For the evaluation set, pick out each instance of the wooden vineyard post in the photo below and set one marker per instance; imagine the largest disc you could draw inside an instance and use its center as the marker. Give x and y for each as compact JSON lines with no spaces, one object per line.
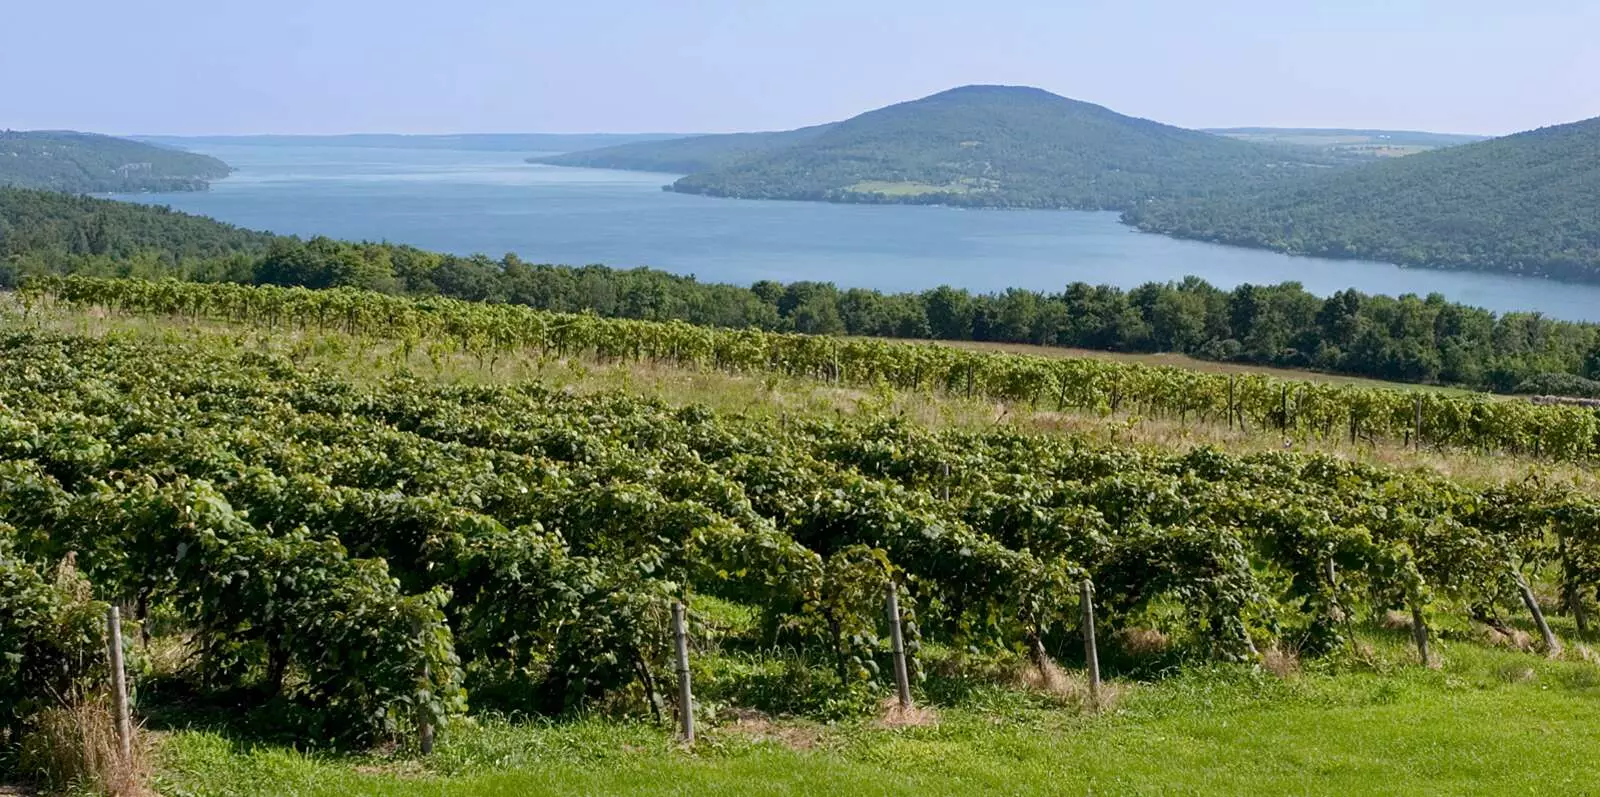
{"x":1091,"y":655}
{"x":1417,"y":438}
{"x":1231,"y":380}
{"x":1283,"y":408}
{"x":969,"y":381}
{"x":946,"y":467}
{"x":1419,"y":632}
{"x":680,"y":633}
{"x":425,"y":726}
{"x":902,"y":680}
{"x":119,"y":683}
{"x":1552,"y":646}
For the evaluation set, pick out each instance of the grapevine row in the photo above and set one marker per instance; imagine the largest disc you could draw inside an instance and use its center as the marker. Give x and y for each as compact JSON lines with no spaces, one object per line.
{"x":1296,"y":408}
{"x":389,"y":553}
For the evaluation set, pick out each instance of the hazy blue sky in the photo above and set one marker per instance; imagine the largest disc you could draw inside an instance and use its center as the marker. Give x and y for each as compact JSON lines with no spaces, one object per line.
{"x":326,"y":66}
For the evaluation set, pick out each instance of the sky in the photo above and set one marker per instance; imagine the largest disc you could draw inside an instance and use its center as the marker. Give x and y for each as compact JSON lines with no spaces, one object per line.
{"x":423,"y":66}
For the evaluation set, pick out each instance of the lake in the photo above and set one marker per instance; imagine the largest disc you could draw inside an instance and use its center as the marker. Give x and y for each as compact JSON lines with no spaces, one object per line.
{"x":491,"y":202}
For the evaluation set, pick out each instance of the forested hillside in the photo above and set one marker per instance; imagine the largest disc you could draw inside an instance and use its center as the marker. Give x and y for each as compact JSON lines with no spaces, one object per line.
{"x":47,"y":231}
{"x":1408,"y":338}
{"x":89,"y":163}
{"x":685,"y":155}
{"x":1000,"y":146}
{"x":1525,"y":204}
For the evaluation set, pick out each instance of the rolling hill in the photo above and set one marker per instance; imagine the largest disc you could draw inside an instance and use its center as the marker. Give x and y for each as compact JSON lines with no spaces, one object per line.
{"x":1524,"y":204}
{"x":987,"y":146}
{"x":685,"y":155}
{"x":58,"y":160}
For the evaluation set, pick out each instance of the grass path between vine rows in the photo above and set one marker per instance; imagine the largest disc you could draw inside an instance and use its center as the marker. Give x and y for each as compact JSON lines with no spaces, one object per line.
{"x":1489,"y":721}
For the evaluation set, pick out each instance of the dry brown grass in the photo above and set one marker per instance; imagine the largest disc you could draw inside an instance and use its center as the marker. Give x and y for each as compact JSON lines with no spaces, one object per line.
{"x":1396,"y":620}
{"x":1070,"y":687}
{"x":892,"y":715}
{"x":1281,"y":662}
{"x":74,"y":748}
{"x":1142,"y":643}
{"x":759,"y":727}
{"x":1516,"y":639}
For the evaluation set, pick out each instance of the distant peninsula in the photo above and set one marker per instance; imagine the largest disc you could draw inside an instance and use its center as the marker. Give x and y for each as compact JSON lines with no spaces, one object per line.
{"x":59,"y":160}
{"x":1525,"y":204}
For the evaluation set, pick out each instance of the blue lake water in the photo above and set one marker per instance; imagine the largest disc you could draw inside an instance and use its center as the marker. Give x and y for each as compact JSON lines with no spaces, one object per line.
{"x":492,"y":202}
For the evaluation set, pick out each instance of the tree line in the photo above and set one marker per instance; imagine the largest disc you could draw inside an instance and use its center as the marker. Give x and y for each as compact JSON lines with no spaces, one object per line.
{"x":1407,"y":338}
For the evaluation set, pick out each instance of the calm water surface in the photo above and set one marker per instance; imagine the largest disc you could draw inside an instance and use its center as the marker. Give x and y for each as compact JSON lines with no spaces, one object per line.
{"x":467,"y":202}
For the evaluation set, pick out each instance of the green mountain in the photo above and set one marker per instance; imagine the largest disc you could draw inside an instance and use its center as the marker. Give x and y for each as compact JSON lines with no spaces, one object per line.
{"x":685,"y":155}
{"x":1347,"y":143}
{"x":1523,"y":204}
{"x":985,"y":146}
{"x":88,"y":163}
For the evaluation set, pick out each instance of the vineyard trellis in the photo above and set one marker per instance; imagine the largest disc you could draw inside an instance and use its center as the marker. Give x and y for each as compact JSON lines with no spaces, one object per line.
{"x":380,"y":554}
{"x":1471,"y":422}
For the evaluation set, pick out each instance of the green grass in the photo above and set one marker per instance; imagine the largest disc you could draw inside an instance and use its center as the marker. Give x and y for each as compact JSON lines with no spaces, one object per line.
{"x":1489,"y":722}
{"x":905,"y":188}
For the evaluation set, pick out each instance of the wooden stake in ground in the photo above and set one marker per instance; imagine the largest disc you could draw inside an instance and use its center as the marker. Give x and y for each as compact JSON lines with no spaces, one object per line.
{"x":1231,"y":380}
{"x":680,"y":632}
{"x":425,"y":726}
{"x":1090,"y":654}
{"x":1552,"y":646}
{"x":1419,"y":633}
{"x":1417,"y":439}
{"x":119,"y":683}
{"x":902,"y":680}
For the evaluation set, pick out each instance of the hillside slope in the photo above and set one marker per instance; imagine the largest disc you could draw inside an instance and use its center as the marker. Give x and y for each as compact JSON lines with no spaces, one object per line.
{"x":1000,"y":146}
{"x":49,"y":225}
{"x":89,"y":163}
{"x":685,"y":155}
{"x":1524,"y":204}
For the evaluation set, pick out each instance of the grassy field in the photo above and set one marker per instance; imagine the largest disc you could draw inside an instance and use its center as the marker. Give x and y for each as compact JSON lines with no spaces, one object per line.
{"x":905,"y":188}
{"x":1488,"y":721}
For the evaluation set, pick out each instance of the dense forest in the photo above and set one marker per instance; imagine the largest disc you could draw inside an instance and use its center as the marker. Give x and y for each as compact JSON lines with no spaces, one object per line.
{"x":685,"y":155}
{"x":1525,"y":204}
{"x":1409,"y":338}
{"x":89,"y":163}
{"x":981,"y":146}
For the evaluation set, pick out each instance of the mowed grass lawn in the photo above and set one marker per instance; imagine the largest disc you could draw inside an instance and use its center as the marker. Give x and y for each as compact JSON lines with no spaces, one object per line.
{"x":1490,"y":722}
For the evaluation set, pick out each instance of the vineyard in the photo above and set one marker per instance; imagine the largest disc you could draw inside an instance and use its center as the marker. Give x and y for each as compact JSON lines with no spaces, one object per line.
{"x":363,"y":559}
{"x":1478,"y":424}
